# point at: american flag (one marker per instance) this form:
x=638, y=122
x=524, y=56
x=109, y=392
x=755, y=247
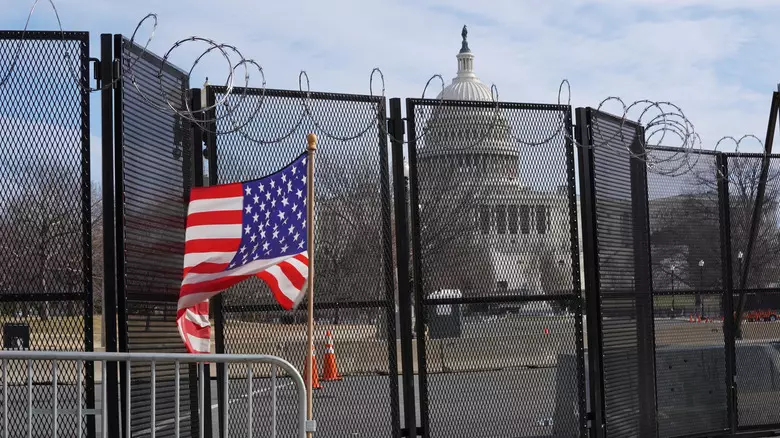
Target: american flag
x=236, y=231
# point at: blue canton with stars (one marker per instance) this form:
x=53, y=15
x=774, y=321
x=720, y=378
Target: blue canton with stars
x=274, y=216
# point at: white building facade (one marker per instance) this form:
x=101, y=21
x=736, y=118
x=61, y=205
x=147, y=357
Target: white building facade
x=516, y=221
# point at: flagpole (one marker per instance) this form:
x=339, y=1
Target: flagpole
x=311, y=140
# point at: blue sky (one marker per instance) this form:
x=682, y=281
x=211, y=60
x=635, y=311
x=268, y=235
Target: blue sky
x=717, y=60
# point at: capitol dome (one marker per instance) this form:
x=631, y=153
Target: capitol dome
x=466, y=85
x=478, y=133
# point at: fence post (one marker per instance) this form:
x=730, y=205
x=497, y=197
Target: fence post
x=727, y=267
x=389, y=260
x=219, y=317
x=216, y=302
x=110, y=379
x=121, y=294
x=88, y=369
x=643, y=288
x=576, y=280
x=416, y=235
x=396, y=130
x=590, y=267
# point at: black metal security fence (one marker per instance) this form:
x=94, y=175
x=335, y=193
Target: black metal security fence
x=452, y=292
x=496, y=269
x=687, y=261
x=153, y=166
x=616, y=255
x=254, y=132
x=507, y=315
x=46, y=218
x=681, y=271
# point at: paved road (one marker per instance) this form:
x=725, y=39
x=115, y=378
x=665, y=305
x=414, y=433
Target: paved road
x=469, y=404
x=518, y=403
x=508, y=401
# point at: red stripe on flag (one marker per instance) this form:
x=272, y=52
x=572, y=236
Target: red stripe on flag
x=211, y=245
x=206, y=268
x=281, y=298
x=201, y=308
x=215, y=285
x=303, y=258
x=292, y=274
x=220, y=191
x=194, y=330
x=229, y=217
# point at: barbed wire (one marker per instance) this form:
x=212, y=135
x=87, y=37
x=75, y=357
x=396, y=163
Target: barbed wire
x=661, y=121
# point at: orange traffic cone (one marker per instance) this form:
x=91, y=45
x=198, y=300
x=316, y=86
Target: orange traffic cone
x=329, y=371
x=315, y=382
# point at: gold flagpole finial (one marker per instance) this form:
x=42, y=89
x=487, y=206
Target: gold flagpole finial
x=311, y=139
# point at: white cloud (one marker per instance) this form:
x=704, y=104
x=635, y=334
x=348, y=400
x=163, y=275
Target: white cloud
x=710, y=58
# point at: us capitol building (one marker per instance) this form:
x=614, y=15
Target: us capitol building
x=494, y=211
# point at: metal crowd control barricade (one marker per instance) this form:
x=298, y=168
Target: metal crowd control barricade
x=150, y=360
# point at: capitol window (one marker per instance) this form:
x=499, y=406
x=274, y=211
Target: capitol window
x=484, y=219
x=512, y=219
x=501, y=219
x=525, y=219
x=541, y=219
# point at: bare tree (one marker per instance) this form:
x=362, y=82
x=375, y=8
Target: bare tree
x=744, y=174
x=42, y=229
x=98, y=278
x=350, y=262
x=686, y=227
x=452, y=253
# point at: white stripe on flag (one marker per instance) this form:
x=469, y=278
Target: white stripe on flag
x=200, y=345
x=300, y=266
x=201, y=320
x=216, y=204
x=196, y=258
x=287, y=288
x=250, y=268
x=190, y=300
x=230, y=231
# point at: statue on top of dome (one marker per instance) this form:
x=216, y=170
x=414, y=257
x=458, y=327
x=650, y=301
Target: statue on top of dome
x=465, y=47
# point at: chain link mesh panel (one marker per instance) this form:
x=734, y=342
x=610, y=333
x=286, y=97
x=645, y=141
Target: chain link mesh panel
x=45, y=218
x=691, y=333
x=153, y=174
x=354, y=288
x=744, y=175
x=685, y=236
x=757, y=364
x=498, y=269
x=623, y=278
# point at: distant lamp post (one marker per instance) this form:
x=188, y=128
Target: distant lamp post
x=740, y=257
x=699, y=304
x=673, y=268
x=701, y=273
